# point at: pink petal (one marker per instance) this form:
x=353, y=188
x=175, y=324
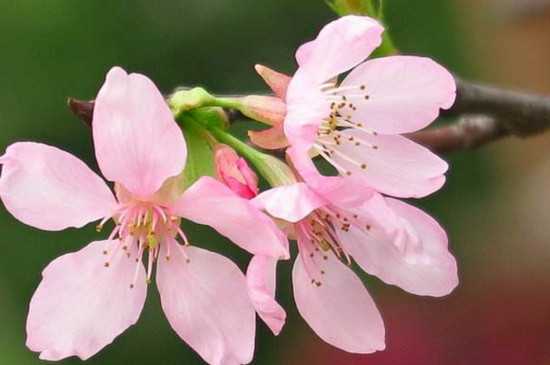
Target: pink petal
x=405, y=93
x=206, y=302
x=261, y=279
x=344, y=192
x=340, y=311
x=340, y=45
x=305, y=110
x=394, y=165
x=137, y=142
x=210, y=202
x=50, y=189
x=81, y=306
x=290, y=202
x=404, y=247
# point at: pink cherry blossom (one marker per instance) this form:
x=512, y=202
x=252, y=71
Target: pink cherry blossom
x=336, y=221
x=89, y=297
x=235, y=172
x=356, y=125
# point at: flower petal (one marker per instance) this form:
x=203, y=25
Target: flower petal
x=405, y=93
x=261, y=281
x=394, y=165
x=404, y=247
x=306, y=108
x=137, y=142
x=50, y=189
x=81, y=306
x=340, y=45
x=290, y=202
x=206, y=302
x=210, y=202
x=344, y=192
x=340, y=310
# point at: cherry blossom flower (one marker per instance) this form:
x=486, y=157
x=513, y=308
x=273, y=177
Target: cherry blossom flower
x=335, y=221
x=89, y=297
x=356, y=125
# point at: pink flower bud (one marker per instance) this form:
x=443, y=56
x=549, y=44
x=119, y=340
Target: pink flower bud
x=235, y=172
x=277, y=81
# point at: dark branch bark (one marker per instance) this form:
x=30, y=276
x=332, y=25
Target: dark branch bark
x=485, y=114
x=488, y=114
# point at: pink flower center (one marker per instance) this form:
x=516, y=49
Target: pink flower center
x=318, y=239
x=146, y=226
x=333, y=134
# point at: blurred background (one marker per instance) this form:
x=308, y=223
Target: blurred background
x=495, y=207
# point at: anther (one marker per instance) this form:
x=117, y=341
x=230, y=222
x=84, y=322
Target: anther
x=105, y=252
x=106, y=264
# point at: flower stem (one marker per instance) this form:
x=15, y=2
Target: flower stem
x=273, y=170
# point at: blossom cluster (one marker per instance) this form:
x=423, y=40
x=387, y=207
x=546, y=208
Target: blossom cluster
x=87, y=298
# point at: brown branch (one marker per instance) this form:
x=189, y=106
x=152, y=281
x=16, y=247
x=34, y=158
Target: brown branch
x=485, y=114
x=488, y=114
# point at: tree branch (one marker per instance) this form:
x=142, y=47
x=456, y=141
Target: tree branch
x=485, y=114
x=488, y=114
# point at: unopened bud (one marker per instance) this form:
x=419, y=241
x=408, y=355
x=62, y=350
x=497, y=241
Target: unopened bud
x=277, y=81
x=235, y=172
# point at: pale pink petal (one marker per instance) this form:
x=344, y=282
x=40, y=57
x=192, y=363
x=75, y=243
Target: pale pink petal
x=261, y=281
x=340, y=45
x=405, y=93
x=394, y=165
x=305, y=110
x=290, y=202
x=81, y=305
x=205, y=299
x=340, y=310
x=137, y=142
x=404, y=247
x=344, y=192
x=50, y=189
x=210, y=202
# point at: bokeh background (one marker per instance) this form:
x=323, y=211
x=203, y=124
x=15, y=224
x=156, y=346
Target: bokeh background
x=495, y=207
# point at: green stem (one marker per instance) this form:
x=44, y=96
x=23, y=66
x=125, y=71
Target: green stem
x=273, y=170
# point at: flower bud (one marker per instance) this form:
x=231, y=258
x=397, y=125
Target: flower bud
x=235, y=172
